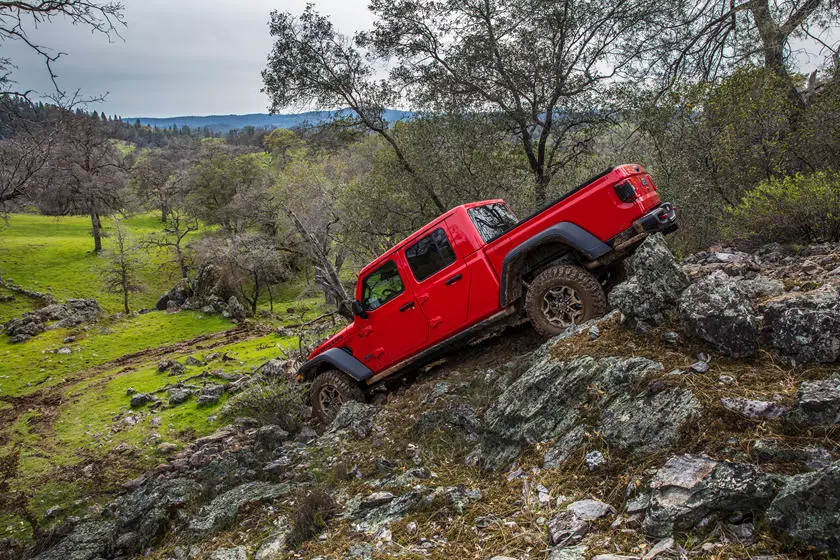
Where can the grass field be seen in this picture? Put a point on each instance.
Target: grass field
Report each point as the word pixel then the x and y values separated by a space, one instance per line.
pixel 65 416
pixel 55 255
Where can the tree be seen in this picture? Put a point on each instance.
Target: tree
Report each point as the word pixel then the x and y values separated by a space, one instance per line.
pixel 19 16
pixel 250 263
pixel 84 175
pixel 153 176
pixel 282 143
pixel 704 38
pixel 547 68
pixel 120 274
pixel 312 63
pixel 176 228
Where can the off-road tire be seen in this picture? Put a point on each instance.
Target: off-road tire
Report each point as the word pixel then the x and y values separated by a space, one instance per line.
pixel 570 280
pixel 329 391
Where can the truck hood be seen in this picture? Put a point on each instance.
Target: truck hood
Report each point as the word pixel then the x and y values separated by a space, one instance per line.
pixel 336 340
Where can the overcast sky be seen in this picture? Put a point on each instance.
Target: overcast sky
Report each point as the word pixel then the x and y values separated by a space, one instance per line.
pixel 177 57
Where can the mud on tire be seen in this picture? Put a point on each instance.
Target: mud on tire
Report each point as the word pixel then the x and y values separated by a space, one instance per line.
pixel 329 391
pixel 561 296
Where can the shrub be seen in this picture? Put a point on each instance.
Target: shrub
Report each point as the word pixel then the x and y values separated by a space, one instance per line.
pixel 797 209
pixel 314 509
pixel 274 401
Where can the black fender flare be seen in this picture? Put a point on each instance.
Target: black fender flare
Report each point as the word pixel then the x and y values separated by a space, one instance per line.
pixel 336 358
pixel 566 233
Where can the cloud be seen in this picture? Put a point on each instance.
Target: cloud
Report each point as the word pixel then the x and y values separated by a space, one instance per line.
pixel 176 57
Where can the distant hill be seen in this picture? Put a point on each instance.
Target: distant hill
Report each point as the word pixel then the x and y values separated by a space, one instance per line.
pixel 226 123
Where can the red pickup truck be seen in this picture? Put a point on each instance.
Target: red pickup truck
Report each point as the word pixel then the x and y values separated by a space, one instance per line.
pixel 477 266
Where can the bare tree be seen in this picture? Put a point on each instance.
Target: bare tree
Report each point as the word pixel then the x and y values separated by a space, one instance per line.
pixel 703 38
pixel 85 174
pixel 19 17
pixel 179 225
pixel 120 274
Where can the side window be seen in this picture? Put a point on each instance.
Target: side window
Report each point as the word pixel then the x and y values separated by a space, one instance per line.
pixel 430 254
pixel 492 220
pixel 381 286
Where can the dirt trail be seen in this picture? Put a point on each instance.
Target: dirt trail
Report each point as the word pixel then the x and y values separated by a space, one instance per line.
pixel 47 401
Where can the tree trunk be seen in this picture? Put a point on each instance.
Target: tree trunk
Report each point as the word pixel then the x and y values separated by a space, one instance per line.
pixel 270 299
pixel 540 189
pixel 125 296
pixel 96 230
pixel 182 264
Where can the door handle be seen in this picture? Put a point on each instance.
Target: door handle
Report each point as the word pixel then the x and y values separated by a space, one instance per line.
pixel 453 279
pixel 366 331
pixel 407 306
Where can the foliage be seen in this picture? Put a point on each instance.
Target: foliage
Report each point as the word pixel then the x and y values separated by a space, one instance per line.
pixel 120 274
pixel 271 401
pixel 314 509
pixel 797 209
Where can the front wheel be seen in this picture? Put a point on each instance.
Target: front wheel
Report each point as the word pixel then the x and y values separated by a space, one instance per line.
pixel 562 296
pixel 329 391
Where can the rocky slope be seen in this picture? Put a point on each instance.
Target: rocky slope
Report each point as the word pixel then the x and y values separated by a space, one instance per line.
pixel 698 420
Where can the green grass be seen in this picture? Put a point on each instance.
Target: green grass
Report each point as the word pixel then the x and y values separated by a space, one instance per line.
pixel 35 365
pixel 55 255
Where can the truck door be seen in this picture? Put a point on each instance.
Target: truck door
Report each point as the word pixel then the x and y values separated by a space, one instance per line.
pixel 441 282
pixel 395 325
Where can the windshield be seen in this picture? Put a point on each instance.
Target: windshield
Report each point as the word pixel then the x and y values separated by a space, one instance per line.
pixel 492 220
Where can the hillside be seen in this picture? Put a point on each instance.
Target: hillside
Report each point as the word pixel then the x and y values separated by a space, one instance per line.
pixel 223 124
pixel 682 425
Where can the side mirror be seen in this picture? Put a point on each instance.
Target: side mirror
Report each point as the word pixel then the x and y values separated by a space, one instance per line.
pixel 358 310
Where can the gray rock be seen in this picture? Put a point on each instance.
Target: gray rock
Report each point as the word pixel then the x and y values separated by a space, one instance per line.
pixel 270 436
pixel 235 310
pixel 175 297
pixel 565 446
pixel 193 361
pixel 773 451
pixel 174 367
pixel 438 391
pixel 166 448
pixel 274 546
pixel 808 508
pixel 761 287
pixel 614 557
pixel 817 403
pixel 805 326
pixel 567 553
pixel 671 337
pixel 355 417
pixel 210 394
pixel 717 311
pixel 71 313
pixel 660 547
pixel 650 421
pixel 140 399
pixel 222 511
pixel 572 523
pixel 274 369
pixel 461 418
pixel 689 488
pixel 594 460
pixel 235 553
pixel 757 410
pixel 376 499
pixel 655 284
pixel 699 367
pixel 178 395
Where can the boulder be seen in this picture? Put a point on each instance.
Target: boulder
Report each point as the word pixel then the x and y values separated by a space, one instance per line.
pixel 210 394
pixel 572 523
pixel 650 421
pixel 235 553
pixel 140 399
pixel 717 311
pixel 808 508
pixel 71 313
pixel 222 511
pixel 178 395
pixel 235 310
pixel 653 289
pixel 563 448
pixel 355 417
pixel 754 409
pixel 817 403
pixel 760 287
pixel 176 296
pixel 459 418
pixel 689 488
pixel 174 367
pixel 804 325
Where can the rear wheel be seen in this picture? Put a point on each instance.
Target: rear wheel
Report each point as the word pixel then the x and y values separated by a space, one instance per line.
pixel 562 296
pixel 329 391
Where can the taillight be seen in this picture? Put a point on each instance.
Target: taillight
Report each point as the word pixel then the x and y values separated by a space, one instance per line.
pixel 626 192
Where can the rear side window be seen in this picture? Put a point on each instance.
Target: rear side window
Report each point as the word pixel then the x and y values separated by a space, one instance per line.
pixel 430 254
pixel 381 286
pixel 492 220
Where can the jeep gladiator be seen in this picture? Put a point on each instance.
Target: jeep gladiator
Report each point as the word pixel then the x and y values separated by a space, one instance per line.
pixel 477 266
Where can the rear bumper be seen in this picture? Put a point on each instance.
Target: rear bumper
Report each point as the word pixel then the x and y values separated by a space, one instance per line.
pixel 663 219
